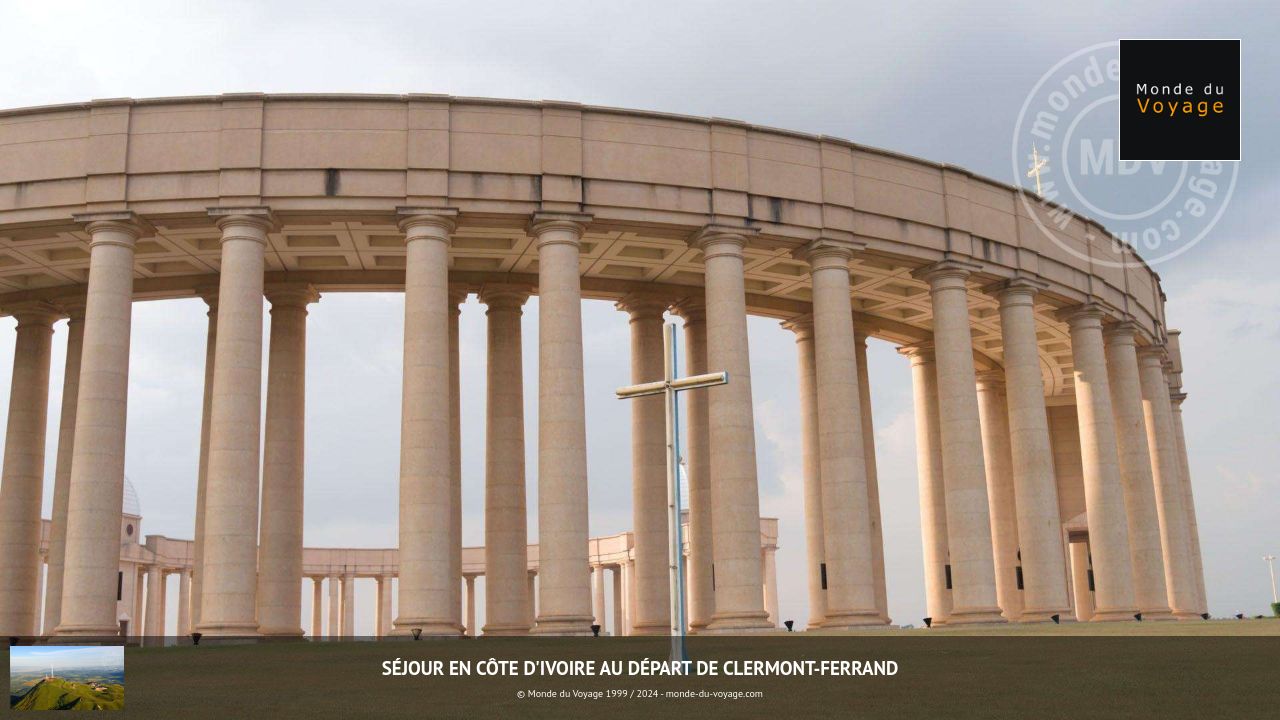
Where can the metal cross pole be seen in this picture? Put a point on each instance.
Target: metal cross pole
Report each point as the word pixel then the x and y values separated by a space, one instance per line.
pixel 1271 559
pixel 670 386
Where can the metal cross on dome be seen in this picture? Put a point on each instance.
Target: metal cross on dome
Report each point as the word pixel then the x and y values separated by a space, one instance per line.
pixel 669 386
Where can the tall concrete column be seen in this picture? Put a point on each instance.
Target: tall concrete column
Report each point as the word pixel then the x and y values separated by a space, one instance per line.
pixel 317 607
pixel 597 594
pixel 851 599
pixel 184 602
pixel 1081 591
pixel 564 606
pixel 506 540
pixel 348 605
pixel 139 603
pixel 335 608
pixel 280 539
pixel 74 308
pixel 735 495
pixel 770 572
pixel 1044 571
pixel 228 604
pixel 618 629
pixel 933 498
pixel 1170 509
pixel 457 296
pixel 382 621
pixel 701 593
pixel 1104 494
pixel 649 467
pixel 426 470
pixel 815 553
pixel 873 481
pixel 973 593
pixel 155 606
pixel 533 602
pixel 1145 551
pixel 97 467
pixel 1188 500
pixel 994 415
pixel 202 472
pixel 23 481
pixel 471 605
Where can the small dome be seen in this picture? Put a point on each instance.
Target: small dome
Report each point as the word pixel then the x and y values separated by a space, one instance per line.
pixel 131 506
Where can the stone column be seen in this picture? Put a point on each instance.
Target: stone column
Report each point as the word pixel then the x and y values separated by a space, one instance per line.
pixel 317 607
pixel 564 607
pixel 1188 499
pixel 701 599
pixel 23 481
pixel 138 628
pixel 1171 511
pixel 806 369
pixel 74 308
pixel 533 603
pixel 618 628
pixel 1135 473
pixel 348 605
pixel 335 607
pixel 770 572
pixel 873 482
pixel 184 602
pixel 228 605
pixel 847 544
pixel 933 502
pixel 36 622
pixel 457 296
pixel 973 593
pixel 735 498
pixel 426 470
pixel 1104 494
pixel 1080 581
pixel 649 467
pixel 471 605
pixel 97 467
pixel 506 561
pixel 202 473
pixel 280 542
pixel 155 606
pixel 382 623
pixel 1044 571
pixel 597 594
pixel 994 415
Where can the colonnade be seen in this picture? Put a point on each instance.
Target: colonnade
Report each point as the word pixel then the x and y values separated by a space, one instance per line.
pixel 994 543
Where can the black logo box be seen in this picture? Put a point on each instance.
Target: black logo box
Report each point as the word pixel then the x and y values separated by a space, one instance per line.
pixel 1201 72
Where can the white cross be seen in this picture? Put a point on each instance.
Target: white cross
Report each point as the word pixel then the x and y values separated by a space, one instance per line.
pixel 1037 164
pixel 670 386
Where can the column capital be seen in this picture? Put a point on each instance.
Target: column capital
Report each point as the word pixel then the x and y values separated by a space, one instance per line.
pixel 34 313
pixel 1152 355
pixel 644 305
pixel 72 307
pixel 993 379
pixel 571 225
pixel 292 295
pixel 860 336
pixel 504 296
pixel 1176 398
pixel 921 352
pixel 457 295
pixel 693 309
pixel 715 240
pixel 1082 315
pixel 114 228
pixel 209 293
pixel 1121 333
pixel 1016 291
pixel 946 273
pixel 424 223
pixel 801 325
pixel 253 222
pixel 826 252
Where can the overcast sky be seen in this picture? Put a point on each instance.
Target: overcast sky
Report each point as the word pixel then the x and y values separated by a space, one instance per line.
pixel 943 82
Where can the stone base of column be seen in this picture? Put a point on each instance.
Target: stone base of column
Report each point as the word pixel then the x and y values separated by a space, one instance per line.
pixel 1157 615
pixel 280 633
pixel 1185 615
pixel 975 616
pixel 1114 615
pixel 569 626
pixel 651 629
pixel 505 630
pixel 740 622
pixel 437 628
pixel 850 620
pixel 229 630
pixel 1033 616
pixel 87 631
